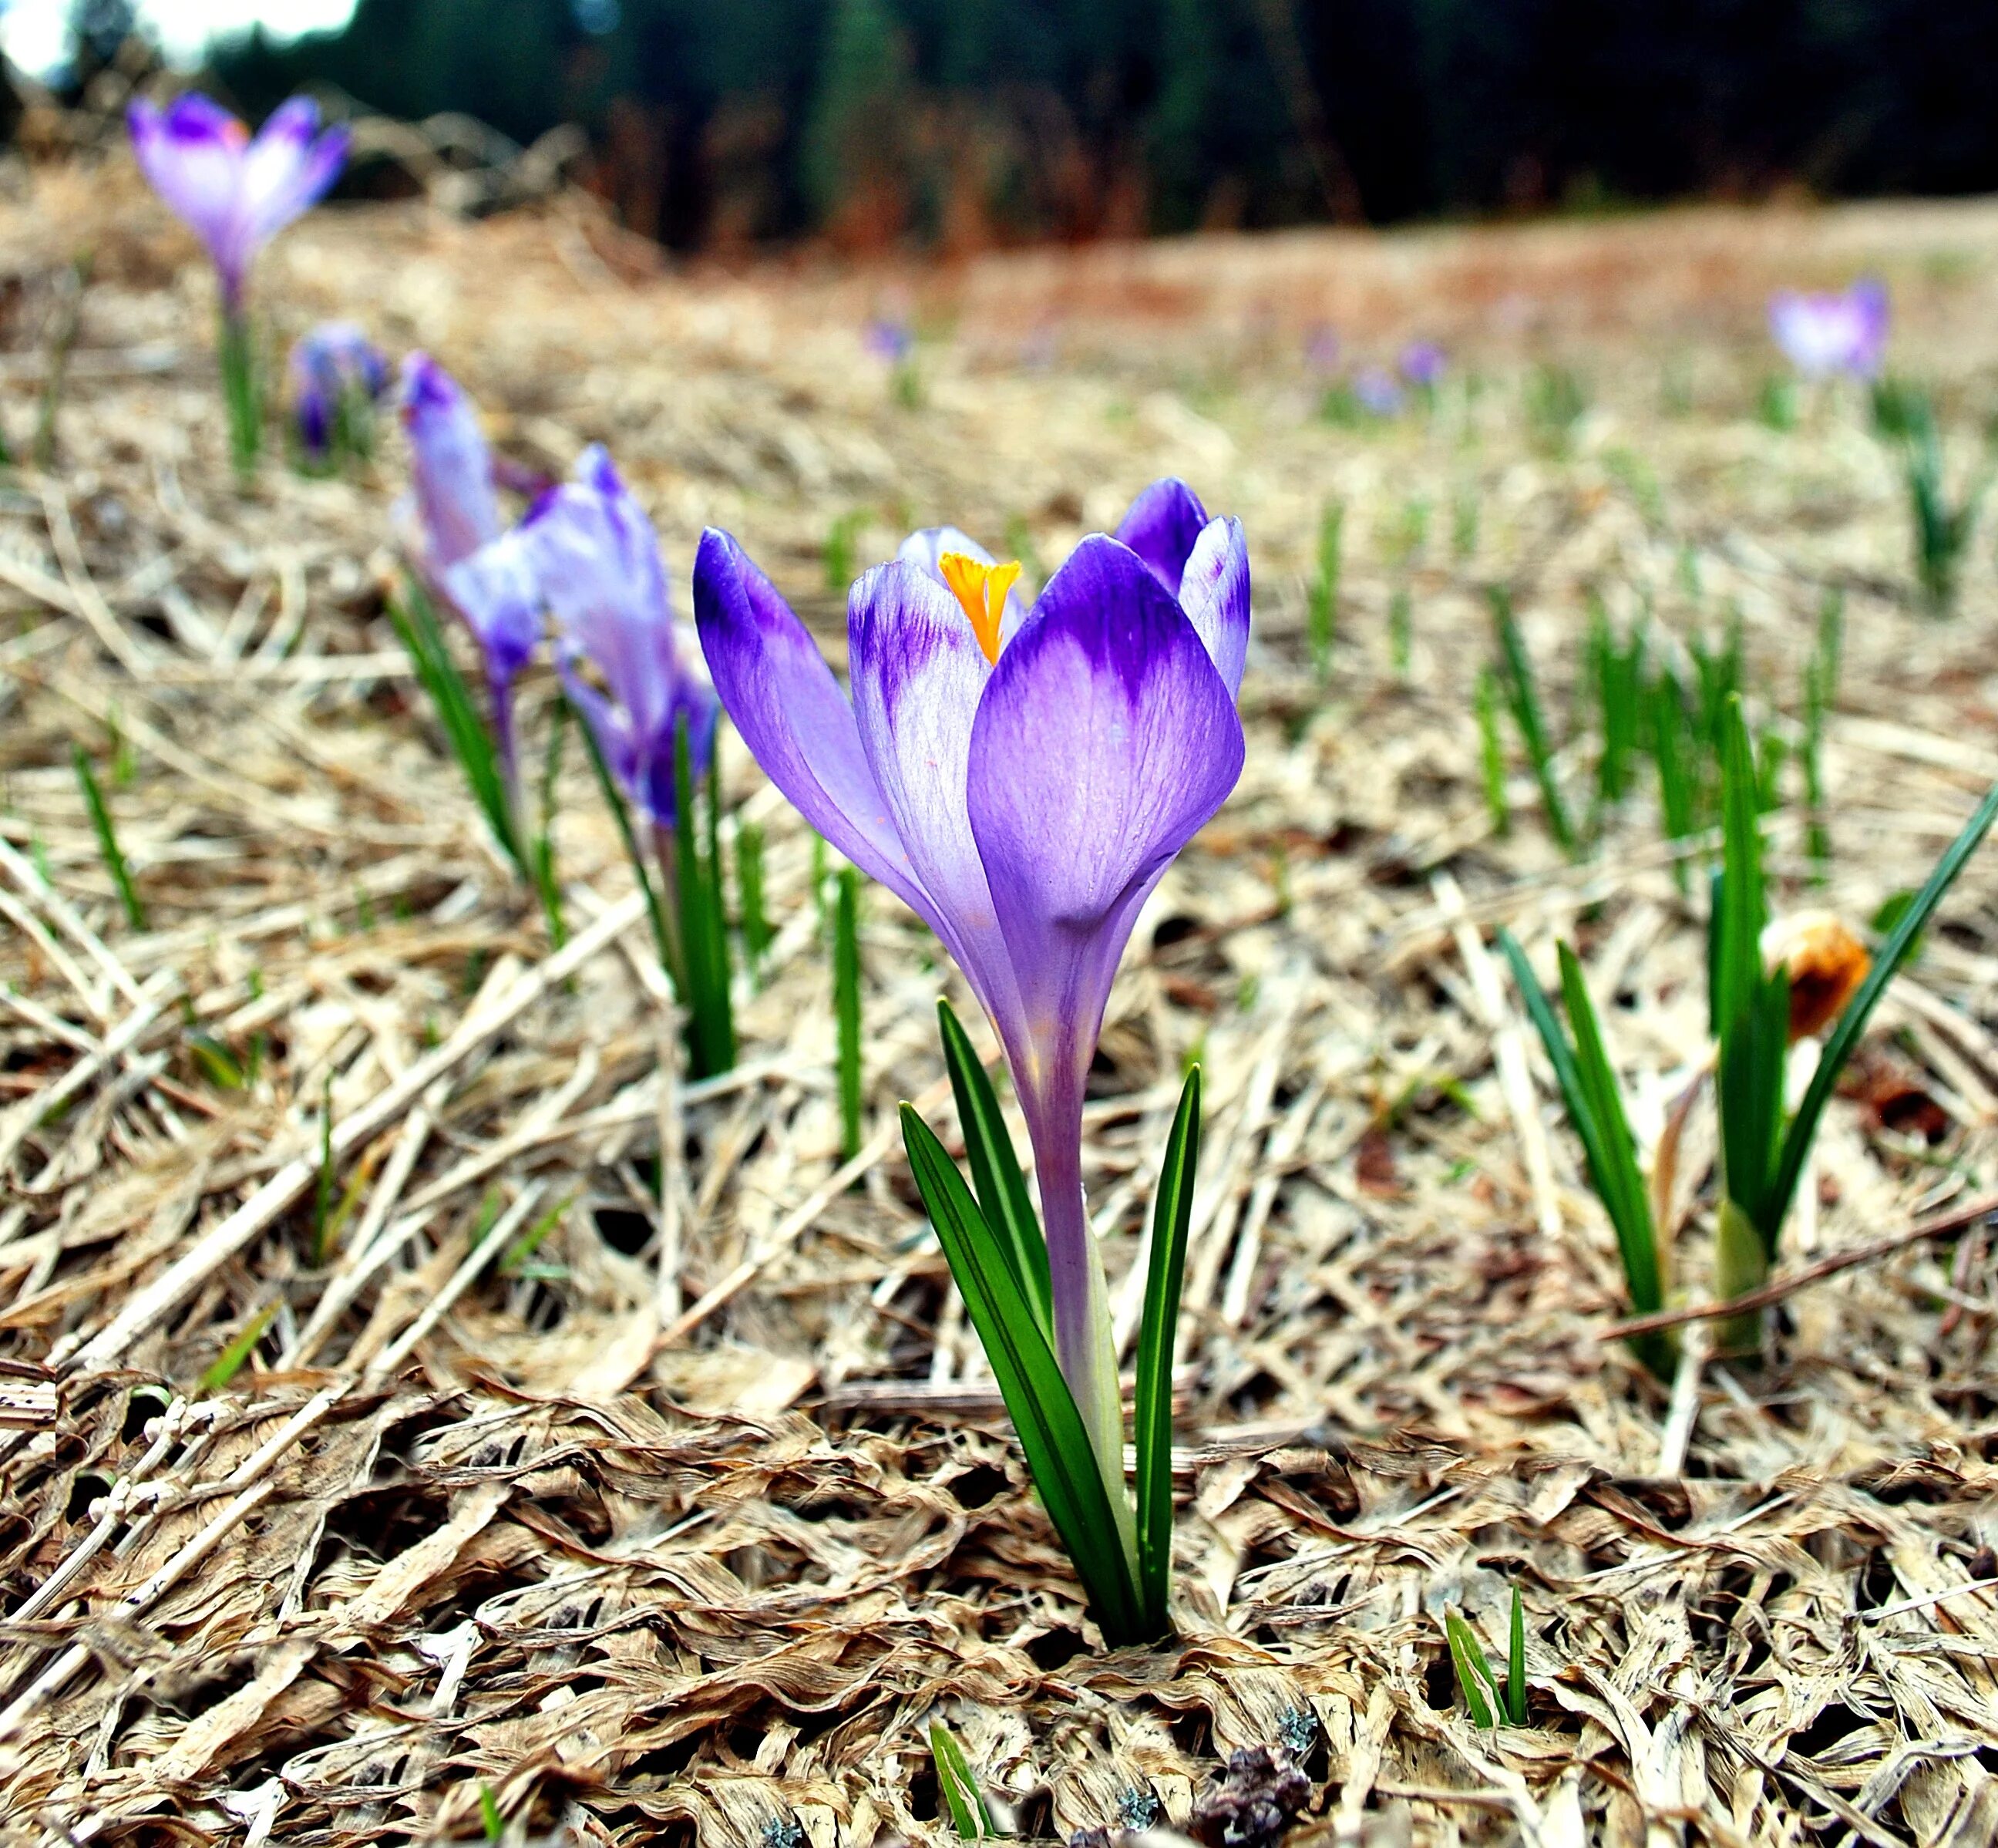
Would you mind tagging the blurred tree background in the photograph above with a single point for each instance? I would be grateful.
(717, 124)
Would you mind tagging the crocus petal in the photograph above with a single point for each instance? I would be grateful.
(918, 673)
(285, 171)
(191, 154)
(453, 467)
(1215, 594)
(497, 592)
(1161, 527)
(775, 687)
(1105, 740)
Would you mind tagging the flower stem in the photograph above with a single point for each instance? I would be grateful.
(1085, 1344)
(240, 390)
(1741, 1263)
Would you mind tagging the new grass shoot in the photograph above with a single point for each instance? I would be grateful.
(1490, 1701)
(1322, 601)
(1756, 1012)
(1522, 696)
(963, 1801)
(846, 1007)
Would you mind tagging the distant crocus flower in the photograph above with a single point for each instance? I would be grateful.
(1323, 349)
(1422, 364)
(460, 544)
(890, 339)
(335, 373)
(1022, 779)
(1375, 392)
(1822, 335)
(597, 558)
(235, 192)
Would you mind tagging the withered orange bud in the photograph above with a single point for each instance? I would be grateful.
(1826, 964)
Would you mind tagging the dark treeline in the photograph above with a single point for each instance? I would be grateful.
(959, 122)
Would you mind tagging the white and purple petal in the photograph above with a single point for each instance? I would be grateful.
(1106, 739)
(497, 590)
(1214, 593)
(918, 674)
(775, 685)
(451, 465)
(926, 548)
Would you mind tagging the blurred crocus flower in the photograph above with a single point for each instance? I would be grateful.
(1021, 778)
(1422, 364)
(336, 375)
(1843, 331)
(236, 193)
(1322, 351)
(597, 558)
(1375, 392)
(890, 339)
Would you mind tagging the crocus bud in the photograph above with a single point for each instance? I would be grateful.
(334, 372)
(1826, 963)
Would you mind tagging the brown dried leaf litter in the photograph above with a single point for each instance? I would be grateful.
(685, 1526)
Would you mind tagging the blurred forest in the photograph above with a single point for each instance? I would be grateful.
(957, 124)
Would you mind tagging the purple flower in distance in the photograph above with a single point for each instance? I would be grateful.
(1376, 393)
(596, 559)
(1843, 331)
(332, 367)
(236, 193)
(1422, 364)
(890, 339)
(1022, 779)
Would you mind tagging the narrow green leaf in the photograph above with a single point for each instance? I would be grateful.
(1152, 1425)
(1735, 970)
(1473, 1673)
(490, 1818)
(703, 939)
(1845, 1036)
(547, 885)
(514, 1260)
(466, 728)
(1749, 1083)
(1516, 1662)
(996, 1179)
(1523, 695)
(846, 1007)
(1492, 753)
(228, 1363)
(755, 922)
(613, 800)
(108, 849)
(1060, 1455)
(962, 1797)
(1621, 1184)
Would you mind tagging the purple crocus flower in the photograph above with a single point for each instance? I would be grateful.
(333, 366)
(1022, 780)
(1843, 331)
(1422, 364)
(890, 339)
(235, 193)
(596, 559)
(1375, 392)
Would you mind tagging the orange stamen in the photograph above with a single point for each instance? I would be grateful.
(982, 589)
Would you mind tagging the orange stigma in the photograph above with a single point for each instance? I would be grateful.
(982, 589)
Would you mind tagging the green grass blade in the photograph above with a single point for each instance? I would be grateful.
(1845, 1036)
(714, 924)
(228, 1363)
(1152, 1425)
(1620, 1184)
(620, 812)
(1735, 971)
(466, 729)
(1492, 753)
(755, 920)
(1060, 1455)
(546, 884)
(1516, 1662)
(1749, 1085)
(1322, 612)
(108, 848)
(996, 1178)
(1522, 693)
(1473, 1673)
(962, 1797)
(709, 1033)
(846, 1007)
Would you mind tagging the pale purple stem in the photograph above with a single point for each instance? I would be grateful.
(500, 688)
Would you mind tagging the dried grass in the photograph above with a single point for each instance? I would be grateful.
(693, 1552)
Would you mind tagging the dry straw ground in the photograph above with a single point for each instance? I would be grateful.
(682, 1529)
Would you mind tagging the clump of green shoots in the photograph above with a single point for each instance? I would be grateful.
(1490, 1701)
(1763, 1148)
(1557, 400)
(1942, 527)
(1322, 601)
(1617, 669)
